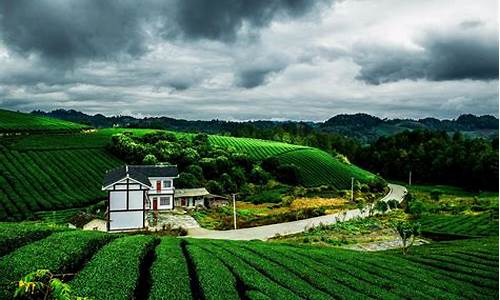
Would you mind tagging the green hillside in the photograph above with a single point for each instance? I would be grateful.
(316, 167)
(256, 149)
(11, 121)
(112, 267)
(43, 172)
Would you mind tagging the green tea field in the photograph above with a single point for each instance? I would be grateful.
(44, 172)
(123, 267)
(15, 122)
(316, 167)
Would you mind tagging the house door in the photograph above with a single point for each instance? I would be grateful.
(183, 201)
(155, 204)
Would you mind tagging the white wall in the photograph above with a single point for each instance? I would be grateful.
(118, 200)
(126, 220)
(153, 180)
(135, 200)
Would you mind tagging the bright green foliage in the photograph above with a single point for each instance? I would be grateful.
(11, 121)
(255, 148)
(43, 284)
(51, 179)
(62, 252)
(334, 273)
(317, 168)
(114, 271)
(215, 279)
(15, 235)
(169, 273)
(407, 231)
(483, 224)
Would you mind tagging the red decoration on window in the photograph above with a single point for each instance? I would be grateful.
(158, 185)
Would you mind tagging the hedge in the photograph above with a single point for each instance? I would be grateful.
(114, 271)
(169, 272)
(62, 252)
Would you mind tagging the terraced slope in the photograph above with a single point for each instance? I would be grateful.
(255, 148)
(46, 172)
(484, 224)
(210, 269)
(11, 121)
(316, 167)
(38, 180)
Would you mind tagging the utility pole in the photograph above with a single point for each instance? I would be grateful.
(234, 210)
(409, 178)
(352, 189)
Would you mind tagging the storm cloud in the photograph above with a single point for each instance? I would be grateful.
(222, 19)
(250, 59)
(465, 54)
(66, 30)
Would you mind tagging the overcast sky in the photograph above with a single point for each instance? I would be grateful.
(251, 59)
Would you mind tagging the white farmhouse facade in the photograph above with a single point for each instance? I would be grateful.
(133, 190)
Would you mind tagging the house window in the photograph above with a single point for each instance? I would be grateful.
(167, 183)
(165, 201)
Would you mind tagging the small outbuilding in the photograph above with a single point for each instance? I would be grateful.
(96, 224)
(195, 197)
(190, 198)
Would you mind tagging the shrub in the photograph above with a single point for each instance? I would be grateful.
(13, 236)
(114, 271)
(288, 173)
(62, 252)
(150, 159)
(407, 232)
(381, 206)
(435, 194)
(393, 204)
(169, 272)
(187, 180)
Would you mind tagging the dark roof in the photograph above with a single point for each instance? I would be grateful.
(139, 173)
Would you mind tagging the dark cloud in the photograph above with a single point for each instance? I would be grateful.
(255, 71)
(222, 19)
(455, 56)
(66, 30)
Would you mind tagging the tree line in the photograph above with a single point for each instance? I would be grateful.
(434, 158)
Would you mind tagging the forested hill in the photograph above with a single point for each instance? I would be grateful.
(363, 127)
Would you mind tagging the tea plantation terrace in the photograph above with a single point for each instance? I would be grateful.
(115, 266)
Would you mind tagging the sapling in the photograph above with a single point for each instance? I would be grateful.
(407, 231)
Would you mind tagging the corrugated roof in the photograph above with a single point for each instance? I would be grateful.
(139, 173)
(191, 192)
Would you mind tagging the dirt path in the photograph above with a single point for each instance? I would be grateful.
(397, 192)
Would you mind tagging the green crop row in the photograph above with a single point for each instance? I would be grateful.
(62, 252)
(255, 148)
(50, 180)
(113, 273)
(169, 272)
(14, 235)
(11, 121)
(484, 224)
(317, 167)
(215, 279)
(250, 277)
(438, 270)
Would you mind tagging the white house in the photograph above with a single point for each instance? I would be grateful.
(133, 190)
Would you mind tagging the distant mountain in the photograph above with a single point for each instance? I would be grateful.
(364, 127)
(369, 128)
